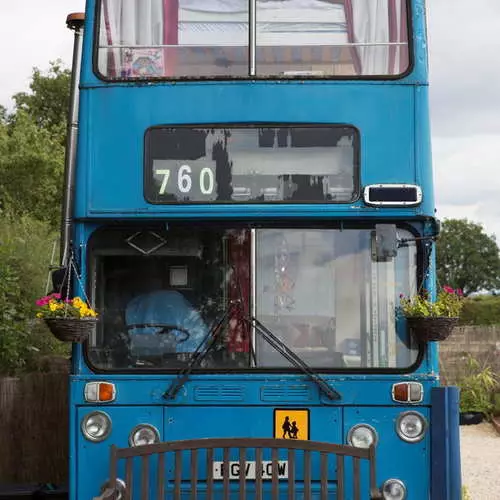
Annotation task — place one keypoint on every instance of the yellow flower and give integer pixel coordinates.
(53, 306)
(39, 315)
(78, 302)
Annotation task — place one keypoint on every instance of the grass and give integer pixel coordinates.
(465, 493)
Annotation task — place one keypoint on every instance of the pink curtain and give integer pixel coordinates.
(111, 62)
(170, 34)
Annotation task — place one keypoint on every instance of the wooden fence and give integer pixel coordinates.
(34, 428)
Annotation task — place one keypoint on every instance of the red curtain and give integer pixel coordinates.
(239, 289)
(170, 35)
(351, 36)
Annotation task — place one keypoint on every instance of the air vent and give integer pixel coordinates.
(219, 393)
(396, 195)
(283, 393)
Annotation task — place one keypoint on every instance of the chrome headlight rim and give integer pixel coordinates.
(354, 428)
(402, 435)
(394, 481)
(139, 427)
(91, 437)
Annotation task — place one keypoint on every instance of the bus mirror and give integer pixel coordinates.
(384, 242)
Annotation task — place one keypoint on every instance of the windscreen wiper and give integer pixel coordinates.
(293, 358)
(202, 350)
(212, 337)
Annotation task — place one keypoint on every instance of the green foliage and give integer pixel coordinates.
(476, 388)
(448, 303)
(25, 249)
(47, 103)
(467, 258)
(465, 493)
(31, 170)
(483, 310)
(32, 141)
(496, 404)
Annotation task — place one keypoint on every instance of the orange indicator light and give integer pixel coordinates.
(100, 392)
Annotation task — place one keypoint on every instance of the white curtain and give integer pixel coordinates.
(128, 23)
(133, 22)
(371, 25)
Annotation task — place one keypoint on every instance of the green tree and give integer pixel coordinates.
(32, 141)
(31, 170)
(48, 100)
(467, 257)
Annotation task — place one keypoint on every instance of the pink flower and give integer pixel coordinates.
(448, 289)
(460, 292)
(43, 301)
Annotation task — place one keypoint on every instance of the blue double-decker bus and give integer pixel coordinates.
(248, 194)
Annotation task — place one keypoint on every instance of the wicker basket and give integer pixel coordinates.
(431, 329)
(71, 329)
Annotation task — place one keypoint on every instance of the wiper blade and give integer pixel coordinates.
(293, 358)
(200, 353)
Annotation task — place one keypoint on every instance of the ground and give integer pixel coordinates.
(480, 447)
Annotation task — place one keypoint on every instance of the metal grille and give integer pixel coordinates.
(185, 470)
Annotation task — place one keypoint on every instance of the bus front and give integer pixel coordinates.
(252, 196)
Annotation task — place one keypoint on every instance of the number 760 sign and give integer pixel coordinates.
(183, 180)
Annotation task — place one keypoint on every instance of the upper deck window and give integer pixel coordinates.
(252, 38)
(251, 164)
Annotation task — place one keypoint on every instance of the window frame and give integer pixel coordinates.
(251, 59)
(345, 225)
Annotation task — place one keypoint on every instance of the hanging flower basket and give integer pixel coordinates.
(432, 321)
(431, 329)
(69, 320)
(71, 329)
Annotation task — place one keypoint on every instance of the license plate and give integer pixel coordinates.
(266, 471)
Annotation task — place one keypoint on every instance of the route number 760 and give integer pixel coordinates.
(185, 178)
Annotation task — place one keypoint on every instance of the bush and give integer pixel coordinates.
(477, 387)
(484, 310)
(25, 251)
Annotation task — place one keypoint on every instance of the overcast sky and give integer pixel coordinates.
(464, 51)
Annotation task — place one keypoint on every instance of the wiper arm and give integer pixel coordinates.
(201, 352)
(293, 358)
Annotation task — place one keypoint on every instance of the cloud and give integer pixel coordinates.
(466, 179)
(464, 47)
(32, 32)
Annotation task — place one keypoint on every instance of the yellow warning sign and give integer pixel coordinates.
(291, 424)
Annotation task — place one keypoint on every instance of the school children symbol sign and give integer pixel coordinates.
(291, 424)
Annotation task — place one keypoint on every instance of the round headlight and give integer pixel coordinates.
(144, 434)
(362, 436)
(411, 426)
(393, 489)
(96, 426)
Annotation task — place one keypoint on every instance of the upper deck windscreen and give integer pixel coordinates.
(145, 39)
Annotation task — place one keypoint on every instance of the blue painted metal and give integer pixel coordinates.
(446, 478)
(396, 459)
(393, 120)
